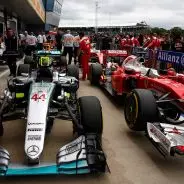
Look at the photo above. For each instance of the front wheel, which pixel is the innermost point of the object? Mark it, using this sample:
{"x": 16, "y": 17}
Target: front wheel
{"x": 73, "y": 71}
{"x": 95, "y": 72}
{"x": 140, "y": 108}
{"x": 90, "y": 111}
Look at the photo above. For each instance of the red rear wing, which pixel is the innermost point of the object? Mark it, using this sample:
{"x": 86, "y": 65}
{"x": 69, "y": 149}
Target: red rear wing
{"x": 115, "y": 53}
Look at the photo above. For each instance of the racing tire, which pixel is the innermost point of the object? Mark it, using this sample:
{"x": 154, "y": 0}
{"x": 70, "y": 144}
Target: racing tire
{"x": 73, "y": 71}
{"x": 23, "y": 68}
{"x": 140, "y": 108}
{"x": 63, "y": 61}
{"x": 90, "y": 113}
{"x": 95, "y": 72}
{"x": 28, "y": 60}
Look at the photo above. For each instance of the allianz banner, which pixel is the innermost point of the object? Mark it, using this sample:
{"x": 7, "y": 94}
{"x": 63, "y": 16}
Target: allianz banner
{"x": 170, "y": 57}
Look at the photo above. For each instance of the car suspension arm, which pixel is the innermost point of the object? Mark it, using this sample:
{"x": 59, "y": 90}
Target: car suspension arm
{"x": 74, "y": 119}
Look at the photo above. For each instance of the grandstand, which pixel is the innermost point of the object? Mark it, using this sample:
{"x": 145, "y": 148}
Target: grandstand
{"x": 141, "y": 27}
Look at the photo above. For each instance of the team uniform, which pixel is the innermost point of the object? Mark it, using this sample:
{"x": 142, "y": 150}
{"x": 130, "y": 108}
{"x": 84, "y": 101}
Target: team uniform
{"x": 85, "y": 48}
{"x": 76, "y": 45}
{"x": 135, "y": 42}
{"x": 68, "y": 41}
{"x": 155, "y": 44}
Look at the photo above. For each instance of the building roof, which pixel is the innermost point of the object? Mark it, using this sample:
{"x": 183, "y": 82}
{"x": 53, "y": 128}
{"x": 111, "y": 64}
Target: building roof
{"x": 141, "y": 24}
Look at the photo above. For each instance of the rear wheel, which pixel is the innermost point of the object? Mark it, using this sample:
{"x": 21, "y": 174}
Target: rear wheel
{"x": 63, "y": 61}
{"x": 73, "y": 71}
{"x": 28, "y": 60}
{"x": 91, "y": 115}
{"x": 23, "y": 68}
{"x": 140, "y": 108}
{"x": 94, "y": 73}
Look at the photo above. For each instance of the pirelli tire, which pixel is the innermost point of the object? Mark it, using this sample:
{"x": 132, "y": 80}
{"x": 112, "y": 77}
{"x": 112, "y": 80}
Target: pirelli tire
{"x": 63, "y": 61}
{"x": 95, "y": 72}
{"x": 23, "y": 68}
{"x": 28, "y": 60}
{"x": 140, "y": 108}
{"x": 73, "y": 71}
{"x": 90, "y": 112}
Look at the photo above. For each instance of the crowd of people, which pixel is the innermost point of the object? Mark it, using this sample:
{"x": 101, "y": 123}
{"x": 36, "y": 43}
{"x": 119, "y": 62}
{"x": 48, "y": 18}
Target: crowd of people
{"x": 78, "y": 46}
{"x": 151, "y": 41}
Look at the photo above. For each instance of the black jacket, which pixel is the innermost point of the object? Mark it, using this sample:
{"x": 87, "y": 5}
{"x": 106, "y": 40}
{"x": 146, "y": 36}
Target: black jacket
{"x": 11, "y": 43}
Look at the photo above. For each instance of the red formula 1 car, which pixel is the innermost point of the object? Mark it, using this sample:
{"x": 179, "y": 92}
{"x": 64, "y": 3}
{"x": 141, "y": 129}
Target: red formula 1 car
{"x": 154, "y": 104}
{"x": 116, "y": 72}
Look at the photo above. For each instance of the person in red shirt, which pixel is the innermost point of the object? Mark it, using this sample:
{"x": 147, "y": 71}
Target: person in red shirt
{"x": 129, "y": 40}
{"x": 155, "y": 43}
{"x": 123, "y": 42}
{"x": 147, "y": 41}
{"x": 85, "y": 50}
{"x": 135, "y": 41}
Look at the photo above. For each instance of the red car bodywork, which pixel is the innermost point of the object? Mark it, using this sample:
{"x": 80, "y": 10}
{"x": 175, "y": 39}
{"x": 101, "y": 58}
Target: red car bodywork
{"x": 160, "y": 85}
{"x": 104, "y": 54}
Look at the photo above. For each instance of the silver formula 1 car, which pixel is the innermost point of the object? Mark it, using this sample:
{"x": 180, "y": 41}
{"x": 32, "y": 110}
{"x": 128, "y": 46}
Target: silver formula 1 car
{"x": 39, "y": 97}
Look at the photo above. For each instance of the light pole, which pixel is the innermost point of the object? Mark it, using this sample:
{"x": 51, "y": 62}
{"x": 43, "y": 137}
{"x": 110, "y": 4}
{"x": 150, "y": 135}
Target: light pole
{"x": 96, "y": 16}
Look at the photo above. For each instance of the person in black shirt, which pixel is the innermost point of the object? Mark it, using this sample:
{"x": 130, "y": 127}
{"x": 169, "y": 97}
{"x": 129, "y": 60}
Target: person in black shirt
{"x": 11, "y": 44}
{"x": 58, "y": 38}
{"x": 178, "y": 45}
{"x": 166, "y": 43}
{"x": 141, "y": 40}
{"x": 106, "y": 42}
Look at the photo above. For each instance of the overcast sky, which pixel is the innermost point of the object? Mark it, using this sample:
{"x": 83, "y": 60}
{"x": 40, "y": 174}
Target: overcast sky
{"x": 162, "y": 13}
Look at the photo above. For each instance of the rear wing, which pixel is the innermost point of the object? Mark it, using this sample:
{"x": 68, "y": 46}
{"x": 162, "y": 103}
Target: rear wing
{"x": 48, "y": 53}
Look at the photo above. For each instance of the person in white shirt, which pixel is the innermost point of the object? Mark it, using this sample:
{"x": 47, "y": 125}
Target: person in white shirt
{"x": 68, "y": 41}
{"x": 31, "y": 42}
{"x": 44, "y": 37}
{"x": 40, "y": 42}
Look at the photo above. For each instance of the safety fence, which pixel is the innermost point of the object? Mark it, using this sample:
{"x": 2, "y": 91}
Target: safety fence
{"x": 160, "y": 59}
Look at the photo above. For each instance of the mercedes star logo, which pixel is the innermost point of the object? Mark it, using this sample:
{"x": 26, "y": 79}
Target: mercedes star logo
{"x": 33, "y": 150}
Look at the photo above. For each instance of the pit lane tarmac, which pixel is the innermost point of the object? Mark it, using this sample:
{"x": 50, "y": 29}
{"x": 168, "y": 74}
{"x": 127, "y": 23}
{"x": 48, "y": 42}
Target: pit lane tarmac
{"x": 131, "y": 157}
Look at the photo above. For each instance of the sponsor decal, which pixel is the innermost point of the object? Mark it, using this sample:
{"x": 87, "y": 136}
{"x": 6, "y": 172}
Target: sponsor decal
{"x": 175, "y": 131}
{"x": 33, "y": 150}
{"x": 39, "y": 96}
{"x": 171, "y": 57}
{"x": 34, "y": 137}
{"x": 163, "y": 140}
{"x": 35, "y": 129}
{"x": 117, "y": 52}
{"x": 35, "y": 123}
{"x": 72, "y": 148}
